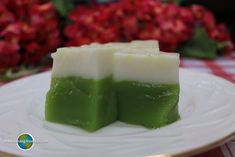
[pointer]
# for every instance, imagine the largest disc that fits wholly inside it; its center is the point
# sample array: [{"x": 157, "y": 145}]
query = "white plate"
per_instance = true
[{"x": 207, "y": 109}]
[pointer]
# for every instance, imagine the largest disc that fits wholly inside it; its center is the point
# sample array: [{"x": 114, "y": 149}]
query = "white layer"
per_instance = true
[
  {"x": 145, "y": 44},
  {"x": 96, "y": 60},
  {"x": 161, "y": 68},
  {"x": 145, "y": 51},
  {"x": 85, "y": 62},
  {"x": 135, "y": 44}
]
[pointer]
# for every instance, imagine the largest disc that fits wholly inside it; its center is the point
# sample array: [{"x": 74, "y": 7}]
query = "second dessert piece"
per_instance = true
[{"x": 147, "y": 88}]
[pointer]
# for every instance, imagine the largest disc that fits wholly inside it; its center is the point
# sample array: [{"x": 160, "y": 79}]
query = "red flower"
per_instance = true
[
  {"x": 9, "y": 55},
  {"x": 28, "y": 31},
  {"x": 130, "y": 27},
  {"x": 6, "y": 17},
  {"x": 127, "y": 20},
  {"x": 12, "y": 33},
  {"x": 31, "y": 56}
]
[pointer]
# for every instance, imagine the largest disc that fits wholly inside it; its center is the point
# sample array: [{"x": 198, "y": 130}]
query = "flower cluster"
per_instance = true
[
  {"x": 127, "y": 20},
  {"x": 217, "y": 32},
  {"x": 28, "y": 32}
]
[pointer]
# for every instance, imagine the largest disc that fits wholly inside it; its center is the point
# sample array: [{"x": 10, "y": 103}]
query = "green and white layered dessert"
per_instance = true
[
  {"x": 95, "y": 85},
  {"x": 147, "y": 88},
  {"x": 82, "y": 91}
]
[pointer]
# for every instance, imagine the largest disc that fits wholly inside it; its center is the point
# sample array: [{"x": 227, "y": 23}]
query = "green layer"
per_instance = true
[
  {"x": 86, "y": 103},
  {"x": 147, "y": 104}
]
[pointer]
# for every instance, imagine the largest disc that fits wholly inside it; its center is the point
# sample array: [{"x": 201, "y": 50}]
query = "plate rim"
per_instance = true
[{"x": 190, "y": 152}]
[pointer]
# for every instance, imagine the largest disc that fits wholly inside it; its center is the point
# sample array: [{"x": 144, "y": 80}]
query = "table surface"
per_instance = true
[{"x": 223, "y": 67}]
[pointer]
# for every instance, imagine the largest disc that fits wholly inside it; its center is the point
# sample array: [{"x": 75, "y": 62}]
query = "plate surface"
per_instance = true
[{"x": 207, "y": 109}]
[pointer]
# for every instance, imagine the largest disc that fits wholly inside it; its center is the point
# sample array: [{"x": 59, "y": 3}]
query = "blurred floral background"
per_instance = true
[{"x": 31, "y": 29}]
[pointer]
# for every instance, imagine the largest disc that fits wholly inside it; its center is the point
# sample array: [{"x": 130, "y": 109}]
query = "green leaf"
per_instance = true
[
  {"x": 63, "y": 6},
  {"x": 200, "y": 46}
]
